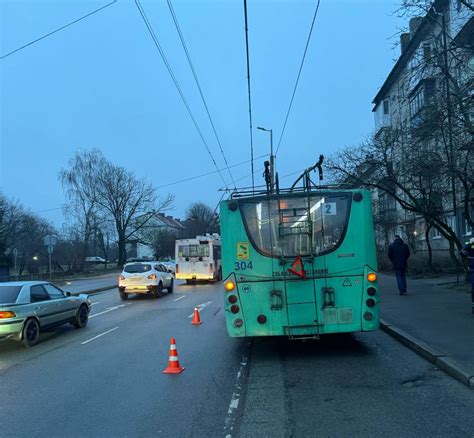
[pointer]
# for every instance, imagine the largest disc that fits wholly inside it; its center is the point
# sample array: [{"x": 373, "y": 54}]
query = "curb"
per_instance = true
[
  {"x": 94, "y": 291},
  {"x": 441, "y": 360}
]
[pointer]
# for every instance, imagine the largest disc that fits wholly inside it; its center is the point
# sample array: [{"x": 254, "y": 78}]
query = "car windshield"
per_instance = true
[
  {"x": 9, "y": 294},
  {"x": 137, "y": 268}
]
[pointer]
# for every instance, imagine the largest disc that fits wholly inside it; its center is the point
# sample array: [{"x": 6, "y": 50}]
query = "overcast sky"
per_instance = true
[{"x": 101, "y": 84}]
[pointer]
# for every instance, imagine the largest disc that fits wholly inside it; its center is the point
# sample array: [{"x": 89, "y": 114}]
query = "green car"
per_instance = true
[{"x": 27, "y": 307}]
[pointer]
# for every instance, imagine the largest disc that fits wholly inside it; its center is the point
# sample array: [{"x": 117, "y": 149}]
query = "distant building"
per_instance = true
[
  {"x": 406, "y": 102},
  {"x": 139, "y": 246}
]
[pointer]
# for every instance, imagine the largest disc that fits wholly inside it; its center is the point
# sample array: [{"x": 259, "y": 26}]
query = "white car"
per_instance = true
[
  {"x": 95, "y": 260},
  {"x": 145, "y": 278},
  {"x": 171, "y": 266}
]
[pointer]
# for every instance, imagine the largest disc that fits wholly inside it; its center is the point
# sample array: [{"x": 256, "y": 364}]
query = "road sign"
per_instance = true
[
  {"x": 50, "y": 240},
  {"x": 50, "y": 249},
  {"x": 15, "y": 252}
]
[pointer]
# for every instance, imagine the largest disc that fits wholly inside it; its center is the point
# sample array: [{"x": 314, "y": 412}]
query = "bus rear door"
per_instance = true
[{"x": 295, "y": 230}]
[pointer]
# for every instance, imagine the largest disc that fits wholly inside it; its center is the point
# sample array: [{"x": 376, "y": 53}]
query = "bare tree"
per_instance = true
[
  {"x": 200, "y": 219},
  {"x": 79, "y": 181},
  {"x": 131, "y": 202}
]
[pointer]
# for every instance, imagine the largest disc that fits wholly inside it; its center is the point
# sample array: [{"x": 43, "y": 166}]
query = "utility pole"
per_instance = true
[{"x": 272, "y": 158}]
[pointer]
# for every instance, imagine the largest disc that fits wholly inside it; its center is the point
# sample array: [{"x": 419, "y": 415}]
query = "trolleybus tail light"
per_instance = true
[
  {"x": 372, "y": 276},
  {"x": 177, "y": 269},
  {"x": 7, "y": 314},
  {"x": 152, "y": 277},
  {"x": 370, "y": 302},
  {"x": 229, "y": 285},
  {"x": 262, "y": 319},
  {"x": 210, "y": 267},
  {"x": 232, "y": 299},
  {"x": 368, "y": 316},
  {"x": 234, "y": 308},
  {"x": 238, "y": 323},
  {"x": 371, "y": 291}
]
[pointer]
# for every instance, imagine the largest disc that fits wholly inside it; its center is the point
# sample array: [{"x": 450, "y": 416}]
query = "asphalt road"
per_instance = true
[{"x": 106, "y": 380}]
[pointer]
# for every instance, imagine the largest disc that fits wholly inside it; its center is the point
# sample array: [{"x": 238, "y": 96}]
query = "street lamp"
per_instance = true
[{"x": 272, "y": 158}]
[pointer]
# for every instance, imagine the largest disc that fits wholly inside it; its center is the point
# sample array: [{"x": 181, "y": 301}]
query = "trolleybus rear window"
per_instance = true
[
  {"x": 193, "y": 251},
  {"x": 298, "y": 225}
]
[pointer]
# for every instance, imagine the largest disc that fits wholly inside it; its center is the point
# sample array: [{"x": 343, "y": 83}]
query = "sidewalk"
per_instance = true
[
  {"x": 435, "y": 315},
  {"x": 90, "y": 284}
]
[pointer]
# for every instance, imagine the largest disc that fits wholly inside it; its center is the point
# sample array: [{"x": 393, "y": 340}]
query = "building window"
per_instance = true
[
  {"x": 451, "y": 222},
  {"x": 426, "y": 52},
  {"x": 468, "y": 228},
  {"x": 435, "y": 234},
  {"x": 386, "y": 106},
  {"x": 417, "y": 101}
]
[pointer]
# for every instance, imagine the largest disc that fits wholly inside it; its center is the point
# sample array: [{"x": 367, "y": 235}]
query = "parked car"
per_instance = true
[
  {"x": 99, "y": 260},
  {"x": 145, "y": 278},
  {"x": 27, "y": 307}
]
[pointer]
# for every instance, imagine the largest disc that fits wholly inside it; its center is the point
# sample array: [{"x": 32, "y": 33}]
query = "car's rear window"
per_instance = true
[
  {"x": 137, "y": 268},
  {"x": 9, "y": 294}
]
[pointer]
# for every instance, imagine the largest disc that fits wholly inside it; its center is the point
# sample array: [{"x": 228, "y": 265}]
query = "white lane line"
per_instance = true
[
  {"x": 200, "y": 307},
  {"x": 110, "y": 309},
  {"x": 99, "y": 336},
  {"x": 235, "y": 399},
  {"x": 95, "y": 302},
  {"x": 180, "y": 298}
]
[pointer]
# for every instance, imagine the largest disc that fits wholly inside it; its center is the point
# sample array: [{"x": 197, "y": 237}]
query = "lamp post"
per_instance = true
[{"x": 272, "y": 158}]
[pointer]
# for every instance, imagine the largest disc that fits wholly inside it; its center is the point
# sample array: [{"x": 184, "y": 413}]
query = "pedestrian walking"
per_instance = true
[
  {"x": 398, "y": 253},
  {"x": 468, "y": 251}
]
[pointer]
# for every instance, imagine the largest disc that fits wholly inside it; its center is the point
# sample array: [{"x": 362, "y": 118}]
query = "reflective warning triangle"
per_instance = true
[{"x": 297, "y": 268}]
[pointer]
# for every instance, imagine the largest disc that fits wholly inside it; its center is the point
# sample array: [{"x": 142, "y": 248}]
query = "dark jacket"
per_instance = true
[
  {"x": 398, "y": 253},
  {"x": 468, "y": 251}
]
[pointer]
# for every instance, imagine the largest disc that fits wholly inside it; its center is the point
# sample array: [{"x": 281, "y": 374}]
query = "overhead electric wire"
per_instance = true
[
  {"x": 179, "y": 181},
  {"x": 206, "y": 174},
  {"x": 248, "y": 87},
  {"x": 57, "y": 30},
  {"x": 299, "y": 74},
  {"x": 175, "y": 81},
  {"x": 188, "y": 56}
]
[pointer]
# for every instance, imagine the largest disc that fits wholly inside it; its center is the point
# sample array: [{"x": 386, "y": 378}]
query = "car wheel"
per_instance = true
[
  {"x": 158, "y": 291},
  {"x": 82, "y": 317},
  {"x": 171, "y": 287},
  {"x": 123, "y": 295},
  {"x": 30, "y": 334}
]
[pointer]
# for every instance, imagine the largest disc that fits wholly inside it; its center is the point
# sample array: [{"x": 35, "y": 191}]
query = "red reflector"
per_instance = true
[
  {"x": 371, "y": 291},
  {"x": 7, "y": 314},
  {"x": 234, "y": 308},
  {"x": 368, "y": 316},
  {"x": 370, "y": 302},
  {"x": 262, "y": 319},
  {"x": 238, "y": 323},
  {"x": 232, "y": 299}
]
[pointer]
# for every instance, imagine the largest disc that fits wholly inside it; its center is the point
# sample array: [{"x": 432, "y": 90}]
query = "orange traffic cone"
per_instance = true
[
  {"x": 196, "y": 318},
  {"x": 173, "y": 364}
]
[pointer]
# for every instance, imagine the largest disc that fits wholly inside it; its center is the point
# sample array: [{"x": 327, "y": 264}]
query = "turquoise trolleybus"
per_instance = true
[{"x": 299, "y": 263}]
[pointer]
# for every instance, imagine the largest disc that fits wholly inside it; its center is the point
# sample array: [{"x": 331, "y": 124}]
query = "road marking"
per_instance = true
[
  {"x": 95, "y": 302},
  {"x": 110, "y": 309},
  {"x": 200, "y": 307},
  {"x": 99, "y": 336},
  {"x": 180, "y": 298},
  {"x": 235, "y": 399}
]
